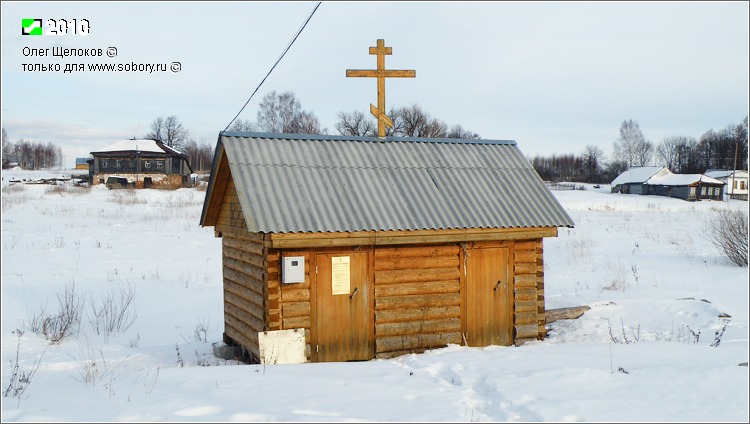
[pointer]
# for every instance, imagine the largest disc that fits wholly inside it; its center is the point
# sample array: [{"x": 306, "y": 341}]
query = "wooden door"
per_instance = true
[
  {"x": 342, "y": 308},
  {"x": 489, "y": 311}
]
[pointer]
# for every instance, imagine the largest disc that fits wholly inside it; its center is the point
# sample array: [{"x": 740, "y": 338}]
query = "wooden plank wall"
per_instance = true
[
  {"x": 417, "y": 299},
  {"x": 528, "y": 290},
  {"x": 289, "y": 303}
]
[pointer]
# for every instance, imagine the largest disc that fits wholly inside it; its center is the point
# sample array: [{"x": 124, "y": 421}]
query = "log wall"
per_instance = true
[
  {"x": 528, "y": 290},
  {"x": 244, "y": 266},
  {"x": 289, "y": 303},
  {"x": 417, "y": 299}
]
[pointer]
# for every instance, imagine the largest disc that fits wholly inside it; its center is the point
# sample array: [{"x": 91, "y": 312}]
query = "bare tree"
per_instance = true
[
  {"x": 282, "y": 113},
  {"x": 243, "y": 126},
  {"x": 417, "y": 123},
  {"x": 727, "y": 230},
  {"x": 200, "y": 155},
  {"x": 592, "y": 158},
  {"x": 457, "y": 131},
  {"x": 168, "y": 131},
  {"x": 632, "y": 148},
  {"x": 355, "y": 124},
  {"x": 305, "y": 123}
]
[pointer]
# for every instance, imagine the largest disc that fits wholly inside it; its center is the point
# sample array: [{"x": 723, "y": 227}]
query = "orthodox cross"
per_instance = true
[{"x": 381, "y": 74}]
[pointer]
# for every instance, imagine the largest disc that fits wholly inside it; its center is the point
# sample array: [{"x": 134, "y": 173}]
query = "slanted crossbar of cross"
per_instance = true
[{"x": 381, "y": 74}]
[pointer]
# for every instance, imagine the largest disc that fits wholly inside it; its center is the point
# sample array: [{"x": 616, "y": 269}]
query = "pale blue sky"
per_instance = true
[{"x": 554, "y": 76}]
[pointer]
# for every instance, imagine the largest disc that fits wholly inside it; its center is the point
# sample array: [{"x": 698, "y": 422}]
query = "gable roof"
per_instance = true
[
  {"x": 307, "y": 183},
  {"x": 139, "y": 145},
  {"x": 639, "y": 174}
]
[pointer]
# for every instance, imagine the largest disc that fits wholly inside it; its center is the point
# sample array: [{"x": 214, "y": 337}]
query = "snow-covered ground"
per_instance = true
[{"x": 656, "y": 286}]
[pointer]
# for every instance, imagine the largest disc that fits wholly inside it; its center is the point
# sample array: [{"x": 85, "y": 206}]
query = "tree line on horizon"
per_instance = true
[
  {"x": 283, "y": 113},
  {"x": 29, "y": 154},
  {"x": 726, "y": 149}
]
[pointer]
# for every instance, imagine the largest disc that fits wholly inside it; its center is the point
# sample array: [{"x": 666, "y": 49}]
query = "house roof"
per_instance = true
[
  {"x": 305, "y": 183},
  {"x": 725, "y": 174},
  {"x": 638, "y": 174},
  {"x": 139, "y": 145},
  {"x": 681, "y": 180},
  {"x": 80, "y": 161}
]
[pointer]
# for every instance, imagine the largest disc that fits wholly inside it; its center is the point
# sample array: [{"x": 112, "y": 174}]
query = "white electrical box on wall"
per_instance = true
[{"x": 294, "y": 270}]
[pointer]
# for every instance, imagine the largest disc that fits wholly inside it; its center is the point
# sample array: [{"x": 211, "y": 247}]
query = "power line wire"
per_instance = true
[{"x": 274, "y": 65}]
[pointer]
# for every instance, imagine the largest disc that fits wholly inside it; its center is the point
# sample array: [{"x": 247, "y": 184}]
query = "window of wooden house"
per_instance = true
[
  {"x": 118, "y": 164},
  {"x": 147, "y": 164},
  {"x": 159, "y": 165}
]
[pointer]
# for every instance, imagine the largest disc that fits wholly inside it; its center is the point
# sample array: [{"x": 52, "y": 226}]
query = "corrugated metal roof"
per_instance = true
[{"x": 300, "y": 183}]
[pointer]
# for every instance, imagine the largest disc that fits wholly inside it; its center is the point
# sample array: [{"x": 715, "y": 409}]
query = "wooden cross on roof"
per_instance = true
[{"x": 381, "y": 74}]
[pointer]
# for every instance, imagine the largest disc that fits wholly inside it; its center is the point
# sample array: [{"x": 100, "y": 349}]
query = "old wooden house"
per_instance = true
[
  {"x": 660, "y": 181},
  {"x": 379, "y": 247},
  {"x": 144, "y": 163}
]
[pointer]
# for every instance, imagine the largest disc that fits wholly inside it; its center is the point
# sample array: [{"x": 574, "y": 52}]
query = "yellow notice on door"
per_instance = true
[{"x": 340, "y": 275}]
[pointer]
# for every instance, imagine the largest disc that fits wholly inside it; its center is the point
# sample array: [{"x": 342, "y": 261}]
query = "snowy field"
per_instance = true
[{"x": 660, "y": 295}]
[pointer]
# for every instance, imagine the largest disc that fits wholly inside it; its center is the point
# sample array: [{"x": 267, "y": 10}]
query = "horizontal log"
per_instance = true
[
  {"x": 425, "y": 287},
  {"x": 243, "y": 280},
  {"x": 246, "y": 246},
  {"x": 424, "y": 313},
  {"x": 417, "y": 301},
  {"x": 251, "y": 293},
  {"x": 241, "y": 333},
  {"x": 574, "y": 312},
  {"x": 415, "y": 341},
  {"x": 244, "y": 268},
  {"x": 242, "y": 341},
  {"x": 296, "y": 322},
  {"x": 488, "y": 244},
  {"x": 241, "y": 303},
  {"x": 528, "y": 244},
  {"x": 525, "y": 256},
  {"x": 412, "y": 262},
  {"x": 416, "y": 275},
  {"x": 524, "y": 281},
  {"x": 527, "y": 318},
  {"x": 295, "y": 309},
  {"x": 296, "y": 294},
  {"x": 525, "y": 306},
  {"x": 525, "y": 269},
  {"x": 382, "y": 253},
  {"x": 418, "y": 327},
  {"x": 527, "y": 331},
  {"x": 243, "y": 321},
  {"x": 247, "y": 236},
  {"x": 382, "y": 238},
  {"x": 244, "y": 256},
  {"x": 525, "y": 293}
]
